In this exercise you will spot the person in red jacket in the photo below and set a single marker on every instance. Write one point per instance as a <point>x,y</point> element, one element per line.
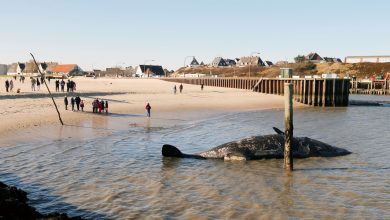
<point>148,107</point>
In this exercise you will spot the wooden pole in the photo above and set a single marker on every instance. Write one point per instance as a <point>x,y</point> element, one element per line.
<point>55,105</point>
<point>288,121</point>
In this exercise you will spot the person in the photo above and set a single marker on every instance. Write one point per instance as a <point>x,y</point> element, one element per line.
<point>201,86</point>
<point>48,79</point>
<point>181,88</point>
<point>99,105</point>
<point>82,105</point>
<point>73,86</point>
<point>11,85</point>
<point>57,85</point>
<point>102,104</point>
<point>72,101</point>
<point>66,103</point>
<point>77,100</point>
<point>62,85</point>
<point>32,84</point>
<point>6,85</point>
<point>94,106</point>
<point>38,84</point>
<point>174,90</point>
<point>67,85</point>
<point>106,107</point>
<point>148,107</point>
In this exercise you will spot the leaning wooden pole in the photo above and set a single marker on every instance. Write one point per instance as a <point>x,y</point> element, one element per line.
<point>288,120</point>
<point>42,77</point>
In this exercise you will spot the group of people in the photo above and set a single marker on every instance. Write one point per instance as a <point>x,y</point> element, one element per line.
<point>175,89</point>
<point>9,85</point>
<point>35,82</point>
<point>99,106</point>
<point>59,83</point>
<point>75,102</point>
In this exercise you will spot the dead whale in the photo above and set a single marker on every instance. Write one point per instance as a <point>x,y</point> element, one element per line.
<point>261,147</point>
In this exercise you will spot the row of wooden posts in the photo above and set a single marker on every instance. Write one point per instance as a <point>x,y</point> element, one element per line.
<point>314,92</point>
<point>370,87</point>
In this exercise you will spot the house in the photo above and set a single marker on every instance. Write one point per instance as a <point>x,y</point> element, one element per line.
<point>268,63</point>
<point>230,62</point>
<point>3,69</point>
<point>218,62</point>
<point>332,60</point>
<point>149,71</point>
<point>66,70</point>
<point>29,68</point>
<point>367,59</point>
<point>16,69</point>
<point>194,63</point>
<point>314,57</point>
<point>252,60</point>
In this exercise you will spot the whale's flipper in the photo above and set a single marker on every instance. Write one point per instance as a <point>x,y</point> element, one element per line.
<point>278,131</point>
<point>171,151</point>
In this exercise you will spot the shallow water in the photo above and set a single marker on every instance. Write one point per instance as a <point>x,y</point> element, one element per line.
<point>117,172</point>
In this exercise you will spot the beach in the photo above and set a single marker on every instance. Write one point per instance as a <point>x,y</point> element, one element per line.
<point>125,96</point>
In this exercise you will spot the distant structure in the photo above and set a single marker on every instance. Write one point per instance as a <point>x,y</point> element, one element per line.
<point>65,70</point>
<point>332,60</point>
<point>149,71</point>
<point>230,62</point>
<point>29,68</point>
<point>251,60</point>
<point>218,62</point>
<point>314,57</point>
<point>367,59</point>
<point>3,69</point>
<point>194,63</point>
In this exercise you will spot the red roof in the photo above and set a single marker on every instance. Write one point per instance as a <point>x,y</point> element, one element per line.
<point>64,68</point>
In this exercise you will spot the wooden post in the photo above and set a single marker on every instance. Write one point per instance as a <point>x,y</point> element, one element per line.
<point>288,121</point>
<point>47,87</point>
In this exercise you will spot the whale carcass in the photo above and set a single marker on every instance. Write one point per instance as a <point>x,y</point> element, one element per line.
<point>261,147</point>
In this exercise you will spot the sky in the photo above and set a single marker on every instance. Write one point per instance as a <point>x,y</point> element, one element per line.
<point>96,34</point>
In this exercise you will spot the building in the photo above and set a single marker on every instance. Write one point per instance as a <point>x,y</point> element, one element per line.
<point>252,60</point>
<point>314,57</point>
<point>3,69</point>
<point>230,62</point>
<point>149,71</point>
<point>16,69</point>
<point>194,63</point>
<point>332,60</point>
<point>65,70</point>
<point>218,62</point>
<point>367,59</point>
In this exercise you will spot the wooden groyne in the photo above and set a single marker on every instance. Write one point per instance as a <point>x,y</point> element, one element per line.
<point>314,92</point>
<point>370,87</point>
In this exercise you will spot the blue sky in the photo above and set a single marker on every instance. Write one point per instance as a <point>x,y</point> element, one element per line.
<point>106,33</point>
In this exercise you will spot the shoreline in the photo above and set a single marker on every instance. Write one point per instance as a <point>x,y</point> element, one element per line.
<point>126,96</point>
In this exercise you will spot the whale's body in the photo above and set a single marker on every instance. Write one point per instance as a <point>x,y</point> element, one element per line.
<point>261,147</point>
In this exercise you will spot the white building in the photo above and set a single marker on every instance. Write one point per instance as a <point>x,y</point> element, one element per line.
<point>367,59</point>
<point>3,69</point>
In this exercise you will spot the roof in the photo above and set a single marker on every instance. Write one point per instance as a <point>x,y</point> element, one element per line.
<point>63,68</point>
<point>156,70</point>
<point>252,60</point>
<point>194,62</point>
<point>313,56</point>
<point>218,61</point>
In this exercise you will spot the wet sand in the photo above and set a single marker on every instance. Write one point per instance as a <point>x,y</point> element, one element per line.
<point>125,96</point>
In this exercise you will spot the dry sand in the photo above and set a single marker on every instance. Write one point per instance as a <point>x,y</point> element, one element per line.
<point>125,96</point>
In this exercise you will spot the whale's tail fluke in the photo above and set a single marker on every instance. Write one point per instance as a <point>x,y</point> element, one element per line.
<point>171,151</point>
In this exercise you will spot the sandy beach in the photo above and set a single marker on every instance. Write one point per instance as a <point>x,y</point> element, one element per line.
<point>125,96</point>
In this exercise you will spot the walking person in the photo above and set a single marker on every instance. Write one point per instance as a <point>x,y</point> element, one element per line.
<point>6,85</point>
<point>174,90</point>
<point>66,103</point>
<point>33,84</point>
<point>99,105</point>
<point>57,85</point>
<point>106,107</point>
<point>148,108</point>
<point>201,86</point>
<point>62,85</point>
<point>181,88</point>
<point>38,84</point>
<point>94,106</point>
<point>11,85</point>
<point>72,102</point>
<point>102,104</point>
<point>82,105</point>
<point>77,100</point>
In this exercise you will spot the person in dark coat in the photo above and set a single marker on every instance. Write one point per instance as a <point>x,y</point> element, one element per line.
<point>6,85</point>
<point>62,85</point>
<point>148,108</point>
<point>66,103</point>
<point>38,84</point>
<point>106,107</point>
<point>57,85</point>
<point>72,102</point>
<point>77,100</point>
<point>181,88</point>
<point>102,104</point>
